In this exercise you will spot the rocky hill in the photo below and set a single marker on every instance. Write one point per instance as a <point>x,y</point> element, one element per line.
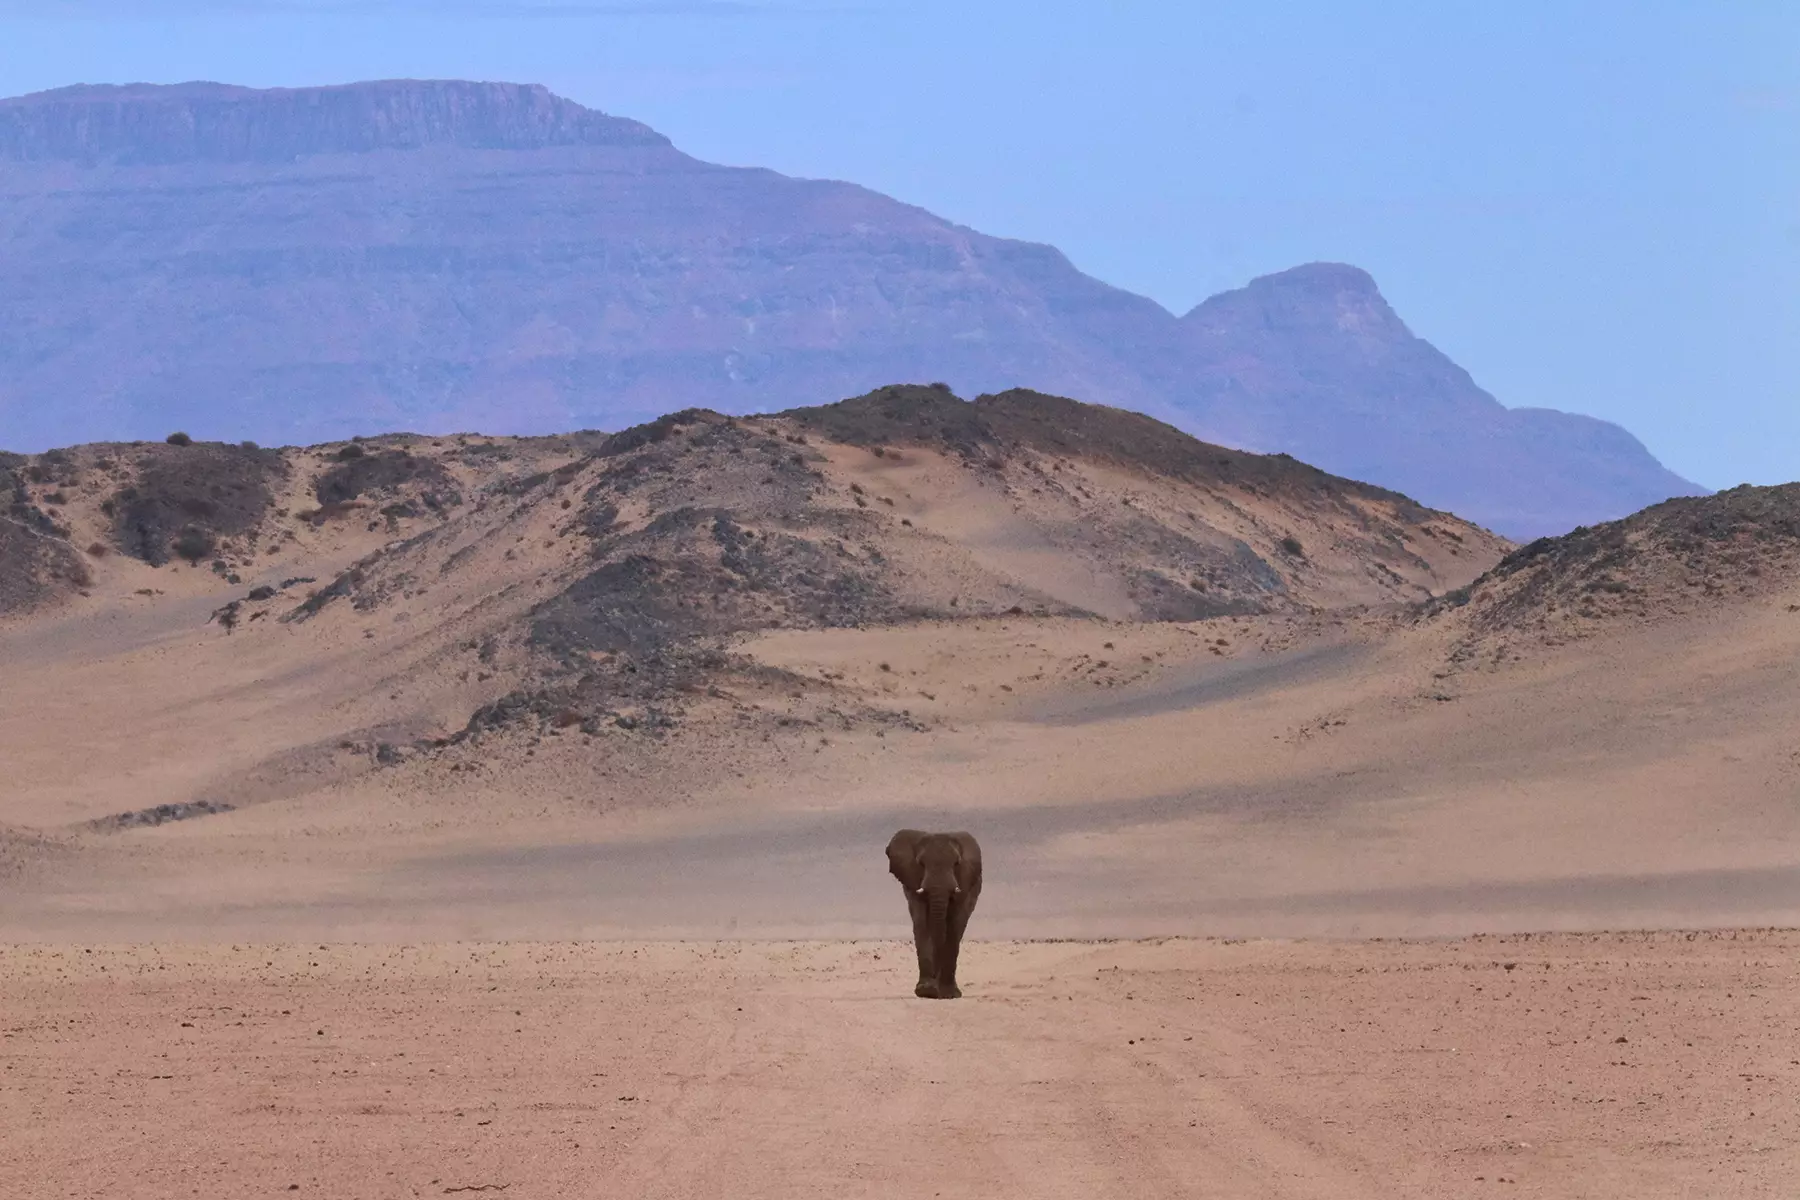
<point>37,562</point>
<point>591,580</point>
<point>1681,558</point>
<point>301,265</point>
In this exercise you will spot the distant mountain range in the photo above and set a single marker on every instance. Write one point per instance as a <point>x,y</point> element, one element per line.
<point>302,265</point>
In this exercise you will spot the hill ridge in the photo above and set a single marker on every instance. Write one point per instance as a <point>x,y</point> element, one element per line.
<point>1685,556</point>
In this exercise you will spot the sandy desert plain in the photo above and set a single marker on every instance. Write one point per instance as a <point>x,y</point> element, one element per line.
<point>524,836</point>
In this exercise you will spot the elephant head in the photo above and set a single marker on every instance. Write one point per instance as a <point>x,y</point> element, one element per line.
<point>941,873</point>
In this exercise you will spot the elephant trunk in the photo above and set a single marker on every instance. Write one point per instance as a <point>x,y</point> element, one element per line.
<point>937,910</point>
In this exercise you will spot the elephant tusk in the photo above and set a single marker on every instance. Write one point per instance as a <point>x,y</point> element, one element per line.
<point>918,891</point>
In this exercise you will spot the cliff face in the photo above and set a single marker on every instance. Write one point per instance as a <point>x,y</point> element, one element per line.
<point>292,266</point>
<point>216,123</point>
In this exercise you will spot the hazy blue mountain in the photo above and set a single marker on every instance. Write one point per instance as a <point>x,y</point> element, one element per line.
<point>1312,361</point>
<point>298,265</point>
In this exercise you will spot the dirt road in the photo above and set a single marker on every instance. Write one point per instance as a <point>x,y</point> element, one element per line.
<point>1641,1065</point>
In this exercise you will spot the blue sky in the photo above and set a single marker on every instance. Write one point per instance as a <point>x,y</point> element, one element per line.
<point>1591,206</point>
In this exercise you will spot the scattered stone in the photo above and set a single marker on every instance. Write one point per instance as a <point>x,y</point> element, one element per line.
<point>160,815</point>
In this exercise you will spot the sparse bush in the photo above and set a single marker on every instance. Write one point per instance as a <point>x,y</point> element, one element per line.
<point>194,543</point>
<point>179,439</point>
<point>227,617</point>
<point>98,549</point>
<point>1457,598</point>
<point>352,451</point>
<point>249,445</point>
<point>1290,545</point>
<point>328,512</point>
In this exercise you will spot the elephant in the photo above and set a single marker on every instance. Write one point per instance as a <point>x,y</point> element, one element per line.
<point>941,876</point>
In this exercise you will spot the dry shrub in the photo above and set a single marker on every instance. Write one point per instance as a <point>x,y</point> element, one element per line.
<point>195,543</point>
<point>329,512</point>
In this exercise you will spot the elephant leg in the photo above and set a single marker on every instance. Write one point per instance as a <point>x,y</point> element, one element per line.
<point>946,979</point>
<point>927,985</point>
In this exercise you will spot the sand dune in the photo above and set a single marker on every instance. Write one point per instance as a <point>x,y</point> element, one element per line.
<point>1344,781</point>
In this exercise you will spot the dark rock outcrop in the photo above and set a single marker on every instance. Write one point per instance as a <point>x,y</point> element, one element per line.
<point>184,499</point>
<point>37,563</point>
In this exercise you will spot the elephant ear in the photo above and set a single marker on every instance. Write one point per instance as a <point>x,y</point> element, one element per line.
<point>971,859</point>
<point>903,862</point>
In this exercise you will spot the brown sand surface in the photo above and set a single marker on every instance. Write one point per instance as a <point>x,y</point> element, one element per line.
<point>1628,1065</point>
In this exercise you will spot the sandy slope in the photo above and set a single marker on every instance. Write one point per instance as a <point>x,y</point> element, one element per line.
<point>1324,778</point>
<point>1627,1066</point>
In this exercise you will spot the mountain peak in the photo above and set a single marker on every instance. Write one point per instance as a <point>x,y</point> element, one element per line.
<point>1312,296</point>
<point>212,122</point>
<point>1319,277</point>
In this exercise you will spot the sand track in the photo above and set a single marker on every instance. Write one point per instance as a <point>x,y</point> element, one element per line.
<point>1560,1066</point>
